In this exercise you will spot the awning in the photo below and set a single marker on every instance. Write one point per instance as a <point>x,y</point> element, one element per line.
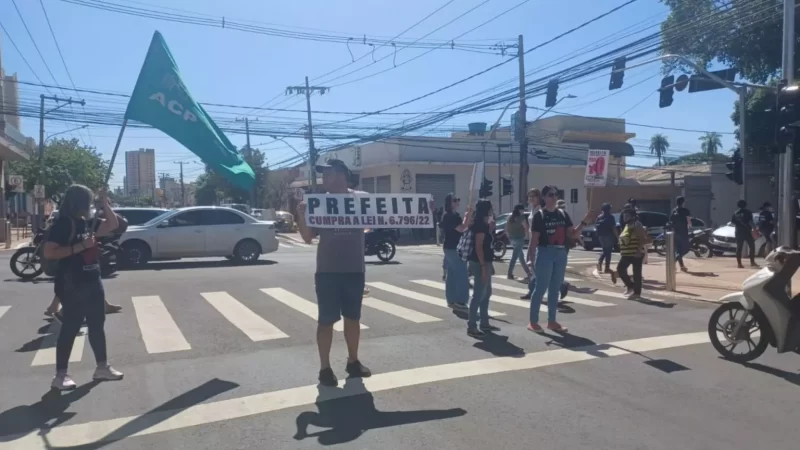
<point>616,148</point>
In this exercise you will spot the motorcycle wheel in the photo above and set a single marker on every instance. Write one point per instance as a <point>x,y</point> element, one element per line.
<point>26,263</point>
<point>499,250</point>
<point>702,251</point>
<point>386,250</point>
<point>723,322</point>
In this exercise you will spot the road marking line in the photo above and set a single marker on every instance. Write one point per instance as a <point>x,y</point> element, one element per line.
<point>3,310</point>
<point>567,279</point>
<point>571,299</point>
<point>92,433</point>
<point>301,305</point>
<point>399,311</point>
<point>435,301</point>
<point>46,355</point>
<point>285,244</point>
<point>159,331</point>
<point>493,299</point>
<point>243,318</point>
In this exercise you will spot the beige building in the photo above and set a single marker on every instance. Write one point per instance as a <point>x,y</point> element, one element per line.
<point>140,172</point>
<point>438,165</point>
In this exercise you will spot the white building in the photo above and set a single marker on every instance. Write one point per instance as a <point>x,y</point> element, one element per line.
<point>140,172</point>
<point>439,165</point>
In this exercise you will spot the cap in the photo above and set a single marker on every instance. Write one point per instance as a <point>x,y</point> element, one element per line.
<point>337,164</point>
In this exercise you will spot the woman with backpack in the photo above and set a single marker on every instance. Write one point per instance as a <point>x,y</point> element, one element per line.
<point>517,230</point>
<point>480,258</point>
<point>78,285</point>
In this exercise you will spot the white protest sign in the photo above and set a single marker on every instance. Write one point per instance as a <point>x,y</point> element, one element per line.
<point>477,177</point>
<point>363,210</point>
<point>597,162</point>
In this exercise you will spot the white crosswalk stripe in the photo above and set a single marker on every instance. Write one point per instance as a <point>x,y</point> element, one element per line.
<point>160,333</point>
<point>300,305</point>
<point>436,301</point>
<point>46,355</point>
<point>3,310</point>
<point>407,302</point>
<point>251,324</point>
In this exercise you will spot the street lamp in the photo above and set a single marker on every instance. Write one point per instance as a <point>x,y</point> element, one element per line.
<point>65,131</point>
<point>493,132</point>
<point>290,146</point>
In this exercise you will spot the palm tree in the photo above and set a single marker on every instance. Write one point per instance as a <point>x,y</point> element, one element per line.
<point>659,144</point>
<point>711,143</point>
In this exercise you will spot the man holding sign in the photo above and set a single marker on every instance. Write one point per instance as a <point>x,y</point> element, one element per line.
<point>339,280</point>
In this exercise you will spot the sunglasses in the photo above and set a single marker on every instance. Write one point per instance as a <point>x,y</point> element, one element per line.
<point>456,200</point>
<point>551,194</point>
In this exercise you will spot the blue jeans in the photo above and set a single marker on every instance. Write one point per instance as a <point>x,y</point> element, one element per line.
<point>550,267</point>
<point>681,247</point>
<point>607,244</point>
<point>457,282</point>
<point>480,296</point>
<point>517,253</point>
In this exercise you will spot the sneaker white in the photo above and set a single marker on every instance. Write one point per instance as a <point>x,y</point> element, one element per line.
<point>106,373</point>
<point>628,292</point>
<point>63,383</point>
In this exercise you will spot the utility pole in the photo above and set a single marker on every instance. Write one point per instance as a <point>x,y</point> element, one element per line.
<point>183,189</point>
<point>523,127</point>
<point>250,157</point>
<point>312,152</point>
<point>786,219</point>
<point>42,113</point>
<point>742,134</point>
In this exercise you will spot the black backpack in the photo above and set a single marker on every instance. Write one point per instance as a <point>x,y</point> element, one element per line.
<point>50,266</point>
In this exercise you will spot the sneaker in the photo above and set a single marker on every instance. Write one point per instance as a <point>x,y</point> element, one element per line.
<point>63,383</point>
<point>684,269</point>
<point>535,327</point>
<point>328,378</point>
<point>356,369</point>
<point>511,277</point>
<point>555,326</point>
<point>526,296</point>
<point>635,297</point>
<point>599,267</point>
<point>489,327</point>
<point>112,309</point>
<point>476,333</point>
<point>614,277</point>
<point>106,373</point>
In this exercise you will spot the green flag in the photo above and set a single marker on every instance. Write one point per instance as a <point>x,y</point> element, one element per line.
<point>160,99</point>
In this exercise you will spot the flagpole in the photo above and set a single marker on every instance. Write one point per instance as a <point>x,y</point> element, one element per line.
<point>110,168</point>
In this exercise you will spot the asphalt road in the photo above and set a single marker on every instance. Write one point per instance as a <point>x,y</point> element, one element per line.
<point>220,357</point>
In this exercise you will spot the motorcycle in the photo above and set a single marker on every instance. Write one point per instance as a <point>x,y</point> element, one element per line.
<point>380,243</point>
<point>763,309</point>
<point>26,262</point>
<point>698,243</point>
<point>500,244</point>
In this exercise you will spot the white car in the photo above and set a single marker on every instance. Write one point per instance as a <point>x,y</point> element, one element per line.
<point>723,240</point>
<point>197,232</point>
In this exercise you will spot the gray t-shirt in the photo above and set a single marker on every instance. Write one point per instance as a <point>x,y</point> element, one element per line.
<point>340,250</point>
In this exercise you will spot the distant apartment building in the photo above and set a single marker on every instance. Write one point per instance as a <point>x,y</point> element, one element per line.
<point>140,172</point>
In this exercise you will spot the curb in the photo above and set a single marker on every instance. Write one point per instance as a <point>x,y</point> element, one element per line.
<point>293,239</point>
<point>655,294</point>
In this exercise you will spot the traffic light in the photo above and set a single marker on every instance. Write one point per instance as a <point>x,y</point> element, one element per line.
<point>734,166</point>
<point>552,94</point>
<point>508,187</point>
<point>666,91</point>
<point>486,189</point>
<point>788,117</point>
<point>617,73</point>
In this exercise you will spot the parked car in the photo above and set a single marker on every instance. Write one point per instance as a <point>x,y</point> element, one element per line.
<point>199,231</point>
<point>653,221</point>
<point>139,216</point>
<point>723,240</point>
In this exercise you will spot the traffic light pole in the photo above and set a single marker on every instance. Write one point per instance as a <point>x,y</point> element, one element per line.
<point>742,134</point>
<point>786,218</point>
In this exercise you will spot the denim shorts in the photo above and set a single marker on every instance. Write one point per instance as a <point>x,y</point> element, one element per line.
<point>339,295</point>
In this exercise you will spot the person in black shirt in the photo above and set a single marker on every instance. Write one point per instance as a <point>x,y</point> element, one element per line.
<point>480,264</point>
<point>681,219</point>
<point>72,243</point>
<point>456,278</point>
<point>743,221</point>
<point>766,225</point>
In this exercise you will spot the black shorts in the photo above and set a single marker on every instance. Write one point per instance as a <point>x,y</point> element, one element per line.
<point>339,295</point>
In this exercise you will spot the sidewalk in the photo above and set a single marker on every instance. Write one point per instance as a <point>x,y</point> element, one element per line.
<point>15,241</point>
<point>708,279</point>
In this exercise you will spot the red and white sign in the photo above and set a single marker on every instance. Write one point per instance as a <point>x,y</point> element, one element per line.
<point>597,162</point>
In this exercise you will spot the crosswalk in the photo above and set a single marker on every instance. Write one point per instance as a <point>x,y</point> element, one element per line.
<point>286,243</point>
<point>577,257</point>
<point>268,314</point>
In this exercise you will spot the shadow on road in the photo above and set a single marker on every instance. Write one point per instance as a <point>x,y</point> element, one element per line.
<point>791,377</point>
<point>381,263</point>
<point>499,346</point>
<point>350,411</point>
<point>214,264</point>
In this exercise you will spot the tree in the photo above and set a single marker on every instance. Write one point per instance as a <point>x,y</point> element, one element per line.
<point>213,188</point>
<point>710,143</point>
<point>698,158</point>
<point>659,144</point>
<point>278,190</point>
<point>746,34</point>
<point>66,162</point>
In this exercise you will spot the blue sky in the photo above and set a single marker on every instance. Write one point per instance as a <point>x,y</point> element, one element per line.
<point>104,51</point>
